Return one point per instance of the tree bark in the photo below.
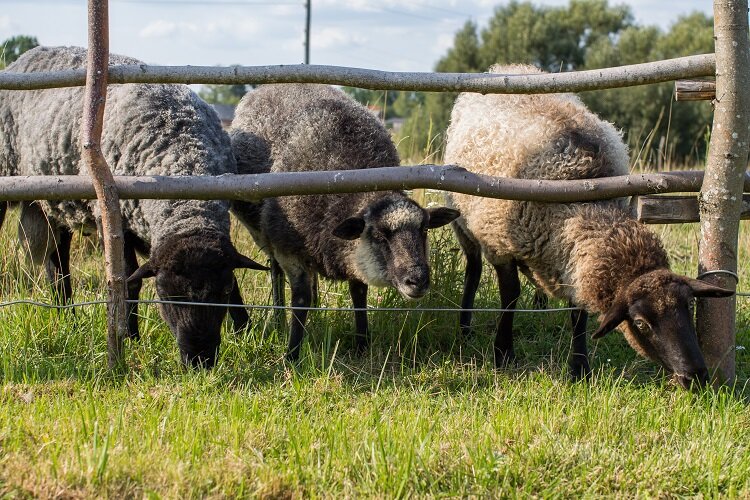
(574, 81)
(443, 177)
(720, 198)
(106, 191)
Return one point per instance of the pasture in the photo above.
(423, 413)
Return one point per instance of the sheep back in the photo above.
(148, 130)
(549, 136)
(290, 128)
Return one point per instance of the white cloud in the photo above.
(7, 26)
(328, 38)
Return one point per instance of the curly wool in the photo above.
(148, 130)
(580, 251)
(302, 127)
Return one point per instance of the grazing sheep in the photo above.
(595, 255)
(366, 239)
(148, 130)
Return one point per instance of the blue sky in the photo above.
(380, 34)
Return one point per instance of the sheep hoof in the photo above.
(580, 371)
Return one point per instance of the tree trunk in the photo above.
(720, 198)
(101, 176)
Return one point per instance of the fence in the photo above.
(719, 201)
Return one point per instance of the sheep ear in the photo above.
(611, 319)
(441, 216)
(703, 289)
(242, 262)
(143, 272)
(350, 229)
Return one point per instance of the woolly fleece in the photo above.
(302, 127)
(584, 252)
(148, 130)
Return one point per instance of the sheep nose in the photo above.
(417, 277)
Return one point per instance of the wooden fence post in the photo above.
(720, 198)
(106, 191)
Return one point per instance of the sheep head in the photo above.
(195, 267)
(392, 243)
(655, 313)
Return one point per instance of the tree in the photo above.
(657, 130)
(223, 94)
(13, 47)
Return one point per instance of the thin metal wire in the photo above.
(271, 307)
(252, 306)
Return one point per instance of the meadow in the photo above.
(422, 413)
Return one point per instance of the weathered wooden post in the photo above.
(721, 195)
(106, 192)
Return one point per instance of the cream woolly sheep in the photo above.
(592, 254)
(365, 238)
(148, 129)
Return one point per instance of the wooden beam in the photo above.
(443, 177)
(661, 209)
(95, 98)
(573, 81)
(694, 90)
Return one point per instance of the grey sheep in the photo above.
(595, 255)
(148, 130)
(364, 238)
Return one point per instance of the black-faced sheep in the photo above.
(366, 239)
(593, 254)
(148, 130)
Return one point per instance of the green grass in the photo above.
(422, 414)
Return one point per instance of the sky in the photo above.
(378, 34)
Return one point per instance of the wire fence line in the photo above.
(48, 305)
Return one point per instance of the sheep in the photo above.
(595, 255)
(148, 130)
(377, 239)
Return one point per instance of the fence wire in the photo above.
(48, 305)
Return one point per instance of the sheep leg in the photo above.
(277, 291)
(358, 292)
(579, 359)
(301, 297)
(510, 291)
(473, 273)
(240, 318)
(58, 266)
(134, 286)
(3, 209)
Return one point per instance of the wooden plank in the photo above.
(694, 90)
(662, 209)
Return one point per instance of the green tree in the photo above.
(658, 131)
(223, 94)
(13, 47)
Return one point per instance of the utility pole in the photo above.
(307, 32)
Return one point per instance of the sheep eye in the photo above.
(641, 325)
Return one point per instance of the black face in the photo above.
(393, 243)
(195, 268)
(659, 312)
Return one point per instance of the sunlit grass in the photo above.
(422, 413)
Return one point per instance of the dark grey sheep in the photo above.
(148, 130)
(366, 239)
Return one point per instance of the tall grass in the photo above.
(422, 413)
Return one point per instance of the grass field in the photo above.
(422, 414)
